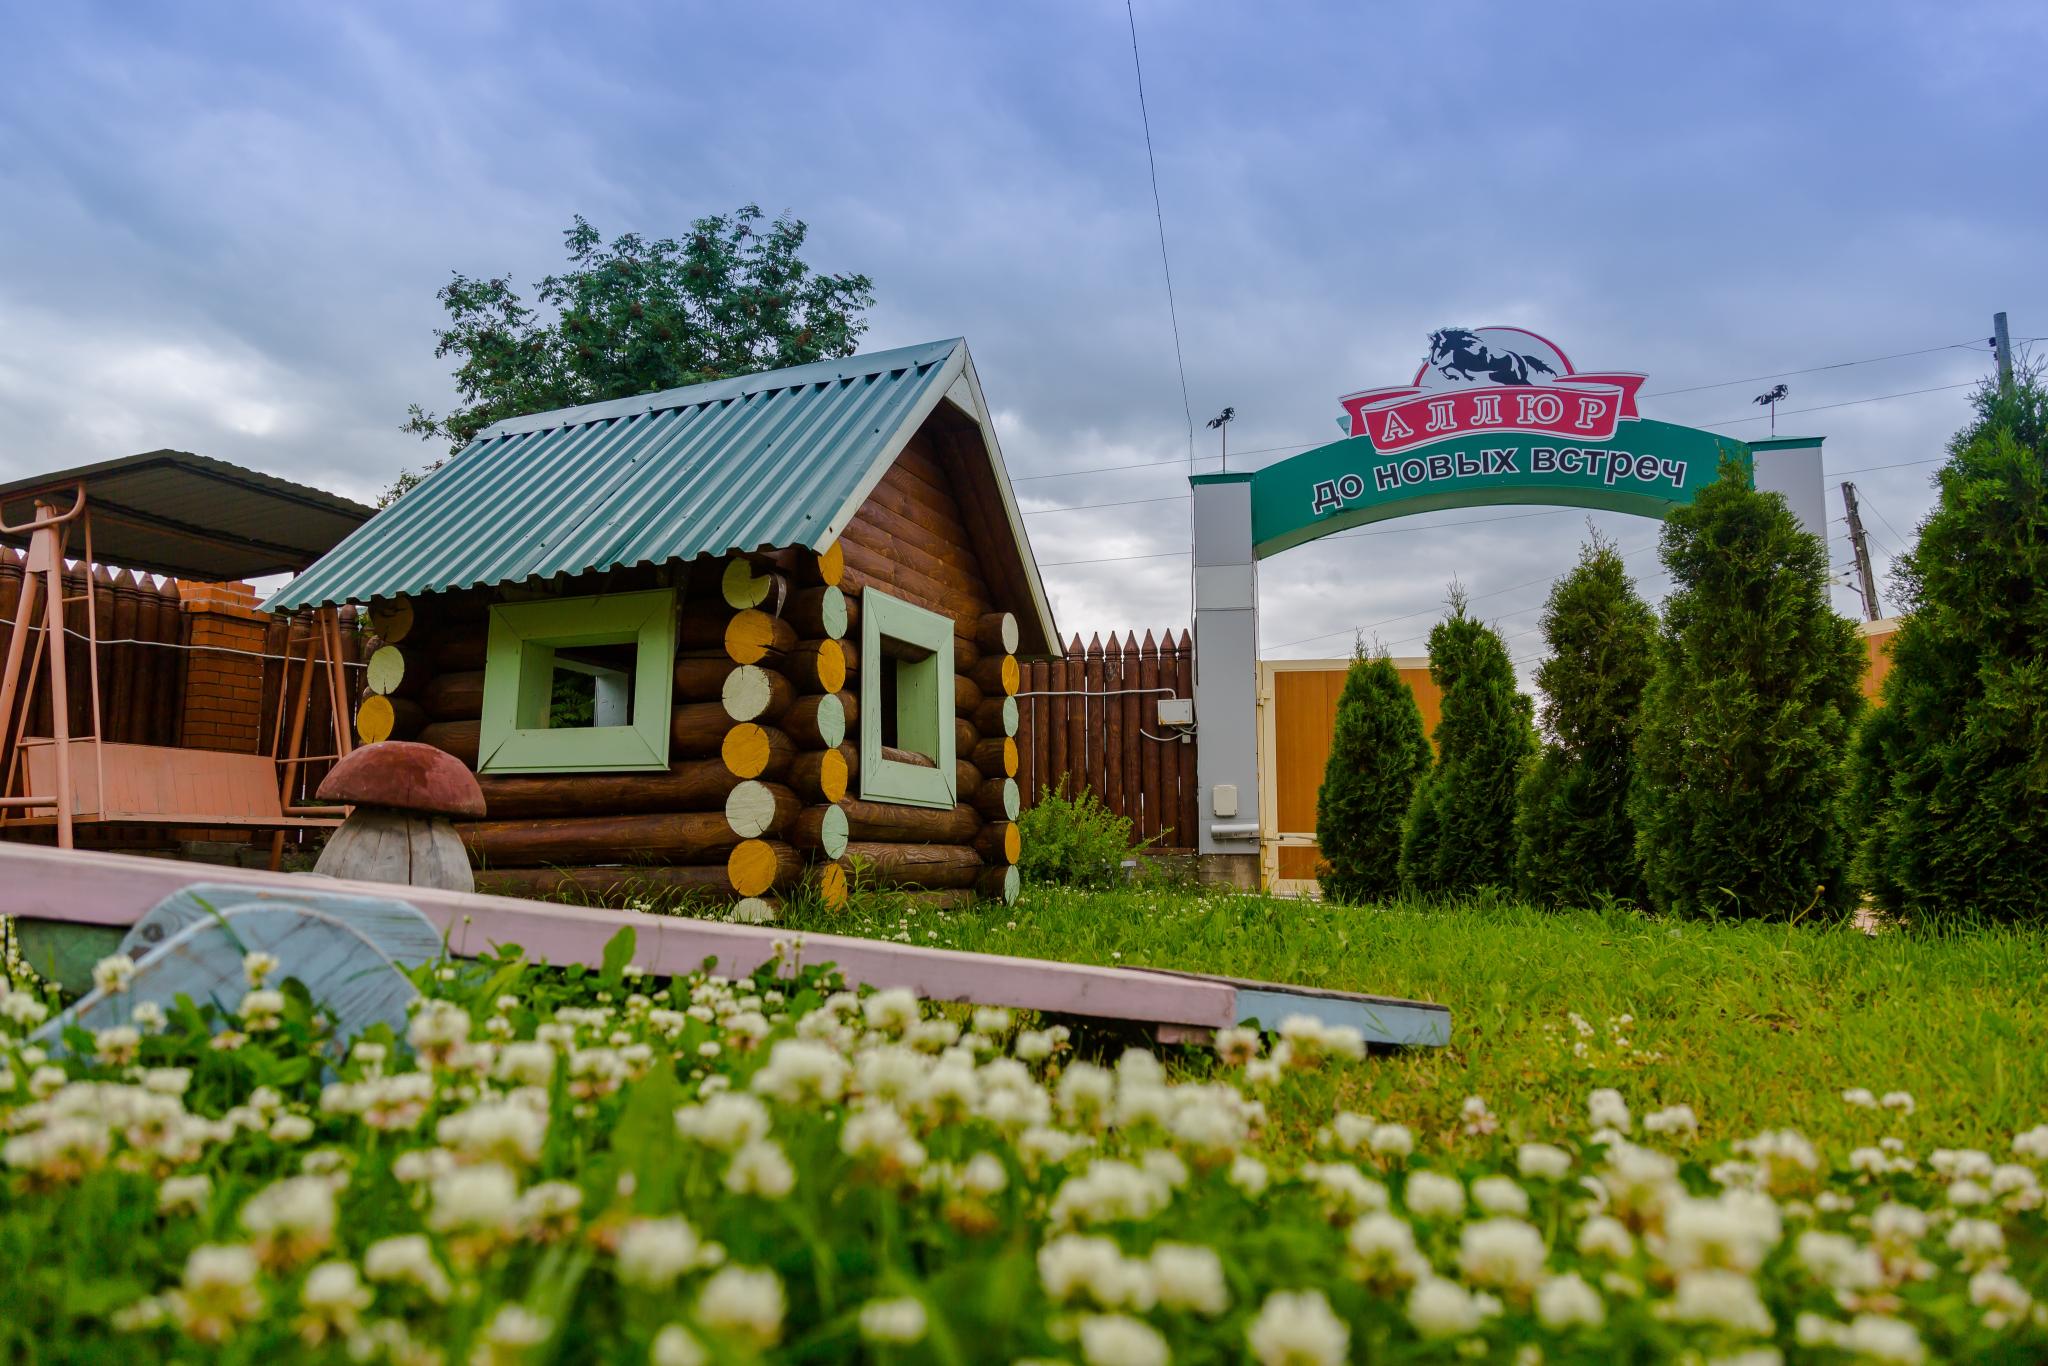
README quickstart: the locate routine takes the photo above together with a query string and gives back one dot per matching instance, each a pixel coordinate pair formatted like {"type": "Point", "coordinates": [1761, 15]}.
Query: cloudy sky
{"type": "Point", "coordinates": [224, 226]}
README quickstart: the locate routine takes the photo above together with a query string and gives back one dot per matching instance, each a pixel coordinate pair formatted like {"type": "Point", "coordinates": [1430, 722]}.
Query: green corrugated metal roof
{"type": "Point", "coordinates": [763, 461]}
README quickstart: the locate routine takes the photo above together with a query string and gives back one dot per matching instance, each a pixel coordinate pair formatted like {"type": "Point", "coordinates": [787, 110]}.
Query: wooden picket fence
{"type": "Point", "coordinates": [1091, 721]}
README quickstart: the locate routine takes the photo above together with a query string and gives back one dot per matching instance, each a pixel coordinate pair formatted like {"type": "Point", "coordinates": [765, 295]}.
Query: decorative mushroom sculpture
{"type": "Point", "coordinates": [405, 797]}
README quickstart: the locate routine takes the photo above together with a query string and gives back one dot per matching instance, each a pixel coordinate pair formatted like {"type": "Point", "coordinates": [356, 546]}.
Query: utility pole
{"type": "Point", "coordinates": [1861, 546]}
{"type": "Point", "coordinates": [2001, 342]}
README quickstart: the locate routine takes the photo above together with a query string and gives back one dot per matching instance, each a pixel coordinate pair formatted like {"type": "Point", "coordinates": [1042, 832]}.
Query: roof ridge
{"type": "Point", "coordinates": [724, 390]}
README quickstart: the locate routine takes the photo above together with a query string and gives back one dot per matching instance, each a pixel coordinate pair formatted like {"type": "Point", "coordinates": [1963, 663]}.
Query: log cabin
{"type": "Point", "coordinates": [731, 639]}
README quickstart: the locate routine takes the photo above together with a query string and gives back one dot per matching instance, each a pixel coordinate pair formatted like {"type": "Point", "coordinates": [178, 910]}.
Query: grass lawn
{"type": "Point", "coordinates": [1754, 1026]}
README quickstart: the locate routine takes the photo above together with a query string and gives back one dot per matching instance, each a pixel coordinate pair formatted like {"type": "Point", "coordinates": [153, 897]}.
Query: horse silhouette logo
{"type": "Point", "coordinates": [1458, 354]}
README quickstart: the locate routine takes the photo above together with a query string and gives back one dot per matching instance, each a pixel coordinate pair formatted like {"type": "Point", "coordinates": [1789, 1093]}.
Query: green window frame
{"type": "Point", "coordinates": [519, 671]}
{"type": "Point", "coordinates": [906, 662]}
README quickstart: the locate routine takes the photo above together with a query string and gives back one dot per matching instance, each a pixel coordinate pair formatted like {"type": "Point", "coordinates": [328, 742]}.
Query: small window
{"type": "Point", "coordinates": [579, 684]}
{"type": "Point", "coordinates": [906, 704]}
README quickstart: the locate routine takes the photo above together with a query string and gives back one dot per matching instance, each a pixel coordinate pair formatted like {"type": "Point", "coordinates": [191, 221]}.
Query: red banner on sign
{"type": "Point", "coordinates": [1575, 407]}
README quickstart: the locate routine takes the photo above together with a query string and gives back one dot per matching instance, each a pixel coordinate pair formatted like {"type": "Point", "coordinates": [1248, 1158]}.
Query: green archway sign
{"type": "Point", "coordinates": [1494, 415]}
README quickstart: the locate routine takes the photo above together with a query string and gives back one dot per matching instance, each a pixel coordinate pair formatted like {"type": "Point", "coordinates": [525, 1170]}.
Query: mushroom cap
{"type": "Point", "coordinates": [401, 775]}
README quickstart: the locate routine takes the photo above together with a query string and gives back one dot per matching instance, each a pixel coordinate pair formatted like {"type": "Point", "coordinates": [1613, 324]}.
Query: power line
{"type": "Point", "coordinates": [1849, 403]}
{"type": "Point", "coordinates": [1817, 369]}
{"type": "Point", "coordinates": [1089, 507]}
{"type": "Point", "coordinates": [1114, 559]}
{"type": "Point", "coordinates": [1159, 214]}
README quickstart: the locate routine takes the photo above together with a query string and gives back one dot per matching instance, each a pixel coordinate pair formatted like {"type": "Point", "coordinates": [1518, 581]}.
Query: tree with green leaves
{"type": "Point", "coordinates": [1952, 768]}
{"type": "Point", "coordinates": [1377, 755]}
{"type": "Point", "coordinates": [1460, 831]}
{"type": "Point", "coordinates": [1575, 843]}
{"type": "Point", "coordinates": [732, 297]}
{"type": "Point", "coordinates": [1741, 756]}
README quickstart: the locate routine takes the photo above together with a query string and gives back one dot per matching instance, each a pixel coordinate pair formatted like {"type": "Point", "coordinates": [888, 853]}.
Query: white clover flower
{"type": "Point", "coordinates": [112, 975]}
{"type": "Point", "coordinates": [1432, 1195]}
{"type": "Point", "coordinates": [1189, 1277]}
{"type": "Point", "coordinates": [1249, 1175]}
{"type": "Point", "coordinates": [116, 1046]}
{"type": "Point", "coordinates": [1896, 1227]}
{"type": "Point", "coordinates": [1440, 1308]}
{"type": "Point", "coordinates": [897, 1322]}
{"type": "Point", "coordinates": [184, 1194]}
{"type": "Point", "coordinates": [218, 1291]}
{"type": "Point", "coordinates": [1237, 1046]}
{"type": "Point", "coordinates": [148, 1016]}
{"type": "Point", "coordinates": [1345, 1191]}
{"type": "Point", "coordinates": [762, 1169]}
{"type": "Point", "coordinates": [257, 967]}
{"type": "Point", "coordinates": [1076, 1266]}
{"type": "Point", "coordinates": [674, 1346]}
{"type": "Point", "coordinates": [984, 1175]}
{"type": "Point", "coordinates": [1674, 1119]}
{"type": "Point", "coordinates": [1107, 1191]}
{"type": "Point", "coordinates": [547, 1206]}
{"type": "Point", "coordinates": [1502, 1254]}
{"type": "Point", "coordinates": [515, 1328]}
{"type": "Point", "coordinates": [1725, 1299]}
{"type": "Point", "coordinates": [1998, 1292]}
{"type": "Point", "coordinates": [1393, 1140]}
{"type": "Point", "coordinates": [1602, 1236]}
{"type": "Point", "coordinates": [1567, 1302]}
{"type": "Point", "coordinates": [891, 1011]}
{"type": "Point", "coordinates": [1976, 1241]}
{"type": "Point", "coordinates": [1119, 1340]}
{"type": "Point", "coordinates": [1733, 1231]}
{"type": "Point", "coordinates": [1350, 1132]}
{"type": "Point", "coordinates": [800, 1071]}
{"type": "Point", "coordinates": [1477, 1119]}
{"type": "Point", "coordinates": [1902, 1101]}
{"type": "Point", "coordinates": [1383, 1250]}
{"type": "Point", "coordinates": [746, 1302]}
{"type": "Point", "coordinates": [439, 1026]}
{"type": "Point", "coordinates": [652, 1253]}
{"type": "Point", "coordinates": [1838, 1261]}
{"type": "Point", "coordinates": [1967, 1194]}
{"type": "Point", "coordinates": [407, 1259]}
{"type": "Point", "coordinates": [1500, 1195]}
{"type": "Point", "coordinates": [1542, 1162]}
{"type": "Point", "coordinates": [1861, 1097]}
{"type": "Point", "coordinates": [526, 1062]}
{"type": "Point", "coordinates": [1607, 1110]}
{"type": "Point", "coordinates": [290, 1219]}
{"type": "Point", "coordinates": [291, 1129]}
{"type": "Point", "coordinates": [2032, 1144]}
{"type": "Point", "coordinates": [1041, 1146]}
{"type": "Point", "coordinates": [1298, 1328]}
{"type": "Point", "coordinates": [1877, 1338]}
{"type": "Point", "coordinates": [727, 1121]}
{"type": "Point", "coordinates": [474, 1199]}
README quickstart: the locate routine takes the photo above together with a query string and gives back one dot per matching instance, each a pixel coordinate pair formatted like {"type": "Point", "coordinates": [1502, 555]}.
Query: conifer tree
{"type": "Point", "coordinates": [1575, 841]}
{"type": "Point", "coordinates": [1741, 756]}
{"type": "Point", "coordinates": [1460, 831]}
{"type": "Point", "coordinates": [1376, 756]}
{"type": "Point", "coordinates": [1952, 772]}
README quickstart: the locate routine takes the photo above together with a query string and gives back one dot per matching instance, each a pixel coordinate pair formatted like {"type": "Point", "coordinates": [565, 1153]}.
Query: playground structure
{"type": "Point", "coordinates": [717, 641]}
{"type": "Point", "coordinates": [174, 513]}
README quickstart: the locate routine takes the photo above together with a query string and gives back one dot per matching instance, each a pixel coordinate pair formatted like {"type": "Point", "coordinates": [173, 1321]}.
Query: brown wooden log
{"type": "Point", "coordinates": [916, 865]}
{"type": "Point", "coordinates": [998, 841]}
{"type": "Point", "coordinates": [821, 722]}
{"type": "Point", "coordinates": [457, 653]}
{"type": "Point", "coordinates": [997, 799]}
{"type": "Point", "coordinates": [697, 730]}
{"type": "Point", "coordinates": [702, 785]}
{"type": "Point", "coordinates": [408, 718]}
{"type": "Point", "coordinates": [818, 666]}
{"type": "Point", "coordinates": [754, 808]}
{"type": "Point", "coordinates": [913, 547]}
{"type": "Point", "coordinates": [454, 696]}
{"type": "Point", "coordinates": [888, 823]}
{"type": "Point", "coordinates": [393, 619]}
{"type": "Point", "coordinates": [752, 750]}
{"type": "Point", "coordinates": [822, 775]}
{"type": "Point", "coordinates": [820, 829]}
{"type": "Point", "coordinates": [617, 885]}
{"type": "Point", "coordinates": [752, 865]}
{"type": "Point", "coordinates": [653, 837]}
{"type": "Point", "coordinates": [996, 758]}
{"type": "Point", "coordinates": [701, 677]}
{"type": "Point", "coordinates": [752, 693]}
{"type": "Point", "coordinates": [937, 899]}
{"type": "Point", "coordinates": [822, 568]}
{"type": "Point", "coordinates": [967, 695]}
{"type": "Point", "coordinates": [459, 738]}
{"type": "Point", "coordinates": [997, 716]}
{"type": "Point", "coordinates": [824, 613]}
{"type": "Point", "coordinates": [997, 633]}
{"type": "Point", "coordinates": [965, 736]}
{"type": "Point", "coordinates": [743, 585]}
{"type": "Point", "coordinates": [908, 756]}
{"type": "Point", "coordinates": [874, 561]}
{"type": "Point", "coordinates": [997, 675]}
{"type": "Point", "coordinates": [999, 884]}
{"type": "Point", "coordinates": [747, 637]}
{"type": "Point", "coordinates": [924, 497]}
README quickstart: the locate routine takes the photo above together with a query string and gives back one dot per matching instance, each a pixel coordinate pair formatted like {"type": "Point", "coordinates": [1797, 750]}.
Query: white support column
{"type": "Point", "coordinates": [1791, 465]}
{"type": "Point", "coordinates": [1226, 675]}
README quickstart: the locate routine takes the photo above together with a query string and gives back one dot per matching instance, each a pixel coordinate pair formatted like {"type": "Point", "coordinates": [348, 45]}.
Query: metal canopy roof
{"type": "Point", "coordinates": [754, 463]}
{"type": "Point", "coordinates": [188, 516]}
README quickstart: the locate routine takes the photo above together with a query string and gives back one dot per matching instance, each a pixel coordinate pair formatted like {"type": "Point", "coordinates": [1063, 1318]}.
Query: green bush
{"type": "Point", "coordinates": [1072, 841]}
{"type": "Point", "coordinates": [1460, 831]}
{"type": "Point", "coordinates": [1952, 772]}
{"type": "Point", "coordinates": [1377, 756]}
{"type": "Point", "coordinates": [1575, 843]}
{"type": "Point", "coordinates": [1741, 755]}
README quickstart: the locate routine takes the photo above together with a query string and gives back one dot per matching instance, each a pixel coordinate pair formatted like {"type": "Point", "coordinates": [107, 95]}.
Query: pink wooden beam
{"type": "Point", "coordinates": [90, 888]}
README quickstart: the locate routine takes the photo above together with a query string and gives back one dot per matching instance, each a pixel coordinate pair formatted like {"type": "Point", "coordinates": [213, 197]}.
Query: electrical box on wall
{"type": "Point", "coordinates": [1223, 800]}
{"type": "Point", "coordinates": [1176, 711]}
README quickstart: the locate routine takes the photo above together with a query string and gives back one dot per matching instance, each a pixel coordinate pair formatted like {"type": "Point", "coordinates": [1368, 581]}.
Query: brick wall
{"type": "Point", "coordinates": [223, 706]}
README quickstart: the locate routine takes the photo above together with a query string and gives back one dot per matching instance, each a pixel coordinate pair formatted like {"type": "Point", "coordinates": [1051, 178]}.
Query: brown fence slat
{"type": "Point", "coordinates": [1112, 732]}
{"type": "Point", "coordinates": [1185, 687]}
{"type": "Point", "coordinates": [1128, 685]}
{"type": "Point", "coordinates": [1075, 775]}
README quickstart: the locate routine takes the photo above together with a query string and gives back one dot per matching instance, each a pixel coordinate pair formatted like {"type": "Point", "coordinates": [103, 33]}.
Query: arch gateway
{"type": "Point", "coordinates": [1494, 415]}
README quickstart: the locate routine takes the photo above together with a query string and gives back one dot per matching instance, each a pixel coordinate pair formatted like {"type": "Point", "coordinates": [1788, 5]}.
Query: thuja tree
{"type": "Point", "coordinates": [1953, 767]}
{"type": "Point", "coordinates": [1575, 843]}
{"type": "Point", "coordinates": [1376, 757]}
{"type": "Point", "coordinates": [1460, 830]}
{"type": "Point", "coordinates": [1742, 754]}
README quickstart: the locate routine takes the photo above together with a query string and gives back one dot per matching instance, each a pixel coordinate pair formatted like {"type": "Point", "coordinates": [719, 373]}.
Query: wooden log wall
{"type": "Point", "coordinates": [1090, 720]}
